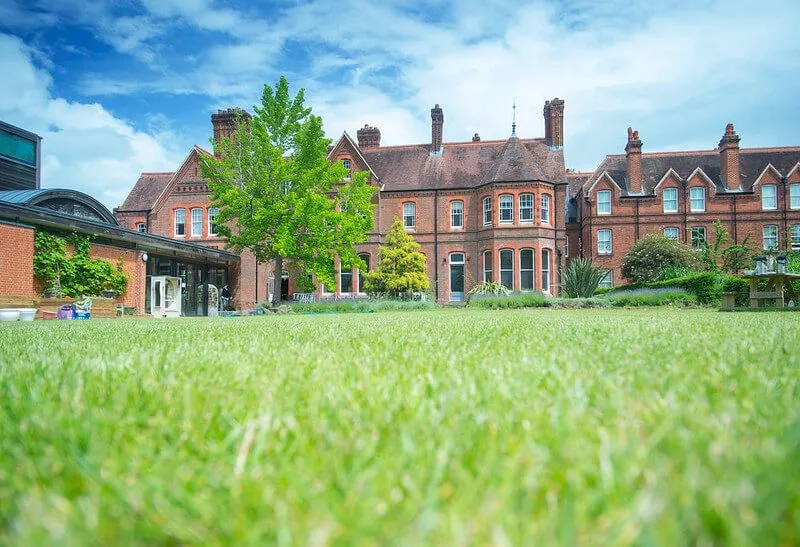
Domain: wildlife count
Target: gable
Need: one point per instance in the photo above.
(186, 179)
(346, 148)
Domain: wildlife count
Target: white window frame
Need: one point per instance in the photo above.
(527, 217)
(412, 215)
(196, 223)
(531, 270)
(773, 229)
(769, 203)
(489, 278)
(604, 205)
(794, 232)
(698, 229)
(179, 213)
(677, 233)
(457, 213)
(664, 200)
(604, 247)
(212, 214)
(343, 272)
(692, 199)
(545, 212)
(608, 280)
(347, 165)
(794, 196)
(506, 270)
(546, 271)
(508, 208)
(141, 227)
(487, 211)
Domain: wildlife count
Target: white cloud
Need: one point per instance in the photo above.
(84, 146)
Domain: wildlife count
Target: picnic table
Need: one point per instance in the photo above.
(779, 287)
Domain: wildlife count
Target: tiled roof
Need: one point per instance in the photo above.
(146, 191)
(752, 162)
(465, 164)
(576, 182)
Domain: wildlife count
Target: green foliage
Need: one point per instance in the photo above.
(581, 278)
(490, 288)
(363, 306)
(674, 272)
(401, 267)
(650, 254)
(76, 275)
(674, 427)
(280, 197)
(705, 286)
(650, 297)
(723, 255)
(577, 303)
(516, 300)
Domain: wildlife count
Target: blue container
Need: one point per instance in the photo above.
(82, 315)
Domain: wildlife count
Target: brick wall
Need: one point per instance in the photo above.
(133, 265)
(16, 260)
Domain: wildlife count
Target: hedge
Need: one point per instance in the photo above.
(706, 286)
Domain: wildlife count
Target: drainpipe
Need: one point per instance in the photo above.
(636, 226)
(734, 219)
(589, 210)
(686, 236)
(256, 280)
(555, 235)
(436, 243)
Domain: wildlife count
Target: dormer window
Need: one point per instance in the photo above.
(604, 202)
(346, 164)
(769, 197)
(670, 200)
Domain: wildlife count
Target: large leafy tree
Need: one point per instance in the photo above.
(401, 267)
(280, 197)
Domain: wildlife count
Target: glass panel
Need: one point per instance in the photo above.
(794, 196)
(212, 214)
(768, 196)
(346, 279)
(526, 269)
(697, 199)
(670, 200)
(362, 272)
(197, 222)
(545, 270)
(526, 208)
(506, 209)
(546, 209)
(18, 148)
(456, 214)
(487, 266)
(604, 202)
(671, 233)
(409, 215)
(507, 268)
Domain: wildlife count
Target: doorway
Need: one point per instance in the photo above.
(457, 277)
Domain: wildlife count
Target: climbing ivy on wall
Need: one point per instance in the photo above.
(77, 274)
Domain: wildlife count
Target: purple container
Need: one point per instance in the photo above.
(65, 312)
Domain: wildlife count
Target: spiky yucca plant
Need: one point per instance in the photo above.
(581, 278)
(490, 287)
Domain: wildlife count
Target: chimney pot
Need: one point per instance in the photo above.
(633, 155)
(225, 121)
(476, 138)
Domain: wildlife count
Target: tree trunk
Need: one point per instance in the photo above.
(277, 284)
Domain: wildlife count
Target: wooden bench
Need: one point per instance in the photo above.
(729, 300)
(757, 297)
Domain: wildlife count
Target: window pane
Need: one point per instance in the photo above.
(670, 200)
(180, 222)
(141, 227)
(346, 281)
(770, 237)
(456, 214)
(526, 208)
(409, 214)
(794, 196)
(604, 202)
(487, 211)
(698, 236)
(796, 236)
(671, 233)
(487, 266)
(769, 197)
(697, 199)
(212, 214)
(18, 148)
(608, 281)
(362, 272)
(604, 242)
(506, 209)
(526, 269)
(546, 209)
(197, 222)
(507, 268)
(545, 270)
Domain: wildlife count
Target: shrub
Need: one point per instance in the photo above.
(517, 300)
(580, 278)
(488, 288)
(577, 303)
(401, 266)
(675, 272)
(651, 297)
(654, 252)
(706, 286)
(362, 306)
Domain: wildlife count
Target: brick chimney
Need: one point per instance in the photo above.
(437, 123)
(633, 154)
(729, 158)
(369, 137)
(224, 122)
(476, 138)
(554, 122)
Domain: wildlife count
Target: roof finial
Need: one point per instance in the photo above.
(514, 118)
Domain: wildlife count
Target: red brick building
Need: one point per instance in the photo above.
(752, 191)
(482, 210)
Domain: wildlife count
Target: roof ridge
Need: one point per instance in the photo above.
(455, 143)
(157, 173)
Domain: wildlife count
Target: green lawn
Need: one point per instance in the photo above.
(454, 427)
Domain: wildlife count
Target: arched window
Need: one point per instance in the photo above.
(506, 209)
(487, 266)
(456, 277)
(457, 214)
(409, 215)
(507, 268)
(197, 222)
(212, 214)
(180, 222)
(546, 270)
(526, 207)
(526, 269)
(487, 211)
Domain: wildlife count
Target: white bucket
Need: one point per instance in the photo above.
(9, 315)
(26, 314)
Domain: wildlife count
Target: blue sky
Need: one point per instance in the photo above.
(116, 87)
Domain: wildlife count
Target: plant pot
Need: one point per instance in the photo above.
(9, 315)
